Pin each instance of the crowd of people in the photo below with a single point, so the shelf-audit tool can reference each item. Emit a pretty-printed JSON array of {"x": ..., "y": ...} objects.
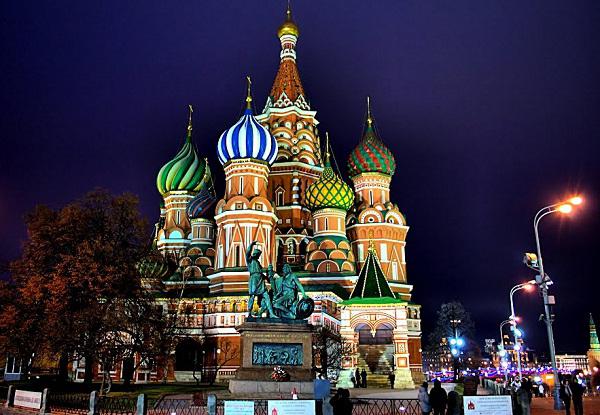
[
  {"x": 438, "y": 401},
  {"x": 359, "y": 378},
  {"x": 572, "y": 390}
]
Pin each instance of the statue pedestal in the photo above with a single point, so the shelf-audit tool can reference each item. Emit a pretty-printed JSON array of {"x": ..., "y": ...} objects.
[{"x": 270, "y": 342}]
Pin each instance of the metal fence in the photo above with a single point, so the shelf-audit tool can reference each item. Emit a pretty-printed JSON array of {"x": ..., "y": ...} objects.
[
  {"x": 116, "y": 405},
  {"x": 79, "y": 404},
  {"x": 385, "y": 406},
  {"x": 69, "y": 403}
]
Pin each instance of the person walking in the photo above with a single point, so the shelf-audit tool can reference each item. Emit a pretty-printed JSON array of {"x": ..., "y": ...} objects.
[
  {"x": 392, "y": 379},
  {"x": 524, "y": 397},
  {"x": 341, "y": 403},
  {"x": 357, "y": 377},
  {"x": 438, "y": 398},
  {"x": 577, "y": 390},
  {"x": 565, "y": 395},
  {"x": 363, "y": 377},
  {"x": 453, "y": 403},
  {"x": 424, "y": 399}
]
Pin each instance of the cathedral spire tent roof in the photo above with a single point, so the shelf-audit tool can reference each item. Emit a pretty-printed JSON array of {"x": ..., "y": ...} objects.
[
  {"x": 372, "y": 286},
  {"x": 594, "y": 343},
  {"x": 287, "y": 89}
]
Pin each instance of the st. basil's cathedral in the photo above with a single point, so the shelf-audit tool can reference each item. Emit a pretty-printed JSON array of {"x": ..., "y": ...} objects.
[{"x": 346, "y": 244}]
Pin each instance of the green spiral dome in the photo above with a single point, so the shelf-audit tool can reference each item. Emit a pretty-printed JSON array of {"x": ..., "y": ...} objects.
[
  {"x": 329, "y": 192},
  {"x": 184, "y": 172},
  {"x": 155, "y": 267}
]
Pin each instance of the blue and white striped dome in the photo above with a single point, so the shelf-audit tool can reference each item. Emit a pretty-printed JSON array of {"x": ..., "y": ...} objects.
[{"x": 247, "y": 138}]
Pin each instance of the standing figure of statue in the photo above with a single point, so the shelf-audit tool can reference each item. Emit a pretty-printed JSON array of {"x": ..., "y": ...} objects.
[{"x": 257, "y": 282}]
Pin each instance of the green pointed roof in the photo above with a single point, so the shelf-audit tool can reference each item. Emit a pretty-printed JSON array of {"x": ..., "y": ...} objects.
[
  {"x": 372, "y": 286},
  {"x": 594, "y": 344}
]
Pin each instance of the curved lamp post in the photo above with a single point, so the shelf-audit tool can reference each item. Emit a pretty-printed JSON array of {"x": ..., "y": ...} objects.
[
  {"x": 544, "y": 281},
  {"x": 513, "y": 319},
  {"x": 504, "y": 323}
]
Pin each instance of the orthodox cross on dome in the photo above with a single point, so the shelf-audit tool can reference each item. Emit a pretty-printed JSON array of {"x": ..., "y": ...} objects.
[
  {"x": 249, "y": 93},
  {"x": 369, "y": 118},
  {"x": 191, "y": 109}
]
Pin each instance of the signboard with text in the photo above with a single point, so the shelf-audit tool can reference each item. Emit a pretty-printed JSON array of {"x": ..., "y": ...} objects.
[
  {"x": 487, "y": 405},
  {"x": 239, "y": 407},
  {"x": 27, "y": 399},
  {"x": 291, "y": 407}
]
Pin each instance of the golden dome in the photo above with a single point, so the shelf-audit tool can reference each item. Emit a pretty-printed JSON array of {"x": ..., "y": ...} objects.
[{"x": 288, "y": 27}]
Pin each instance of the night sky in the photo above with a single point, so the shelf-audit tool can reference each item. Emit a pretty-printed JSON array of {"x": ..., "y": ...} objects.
[{"x": 490, "y": 107}]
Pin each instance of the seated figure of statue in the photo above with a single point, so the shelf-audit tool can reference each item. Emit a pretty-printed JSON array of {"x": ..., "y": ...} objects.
[{"x": 285, "y": 299}]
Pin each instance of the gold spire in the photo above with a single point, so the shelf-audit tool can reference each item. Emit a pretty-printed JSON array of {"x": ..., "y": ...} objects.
[
  {"x": 326, "y": 148},
  {"x": 191, "y": 109},
  {"x": 288, "y": 27},
  {"x": 369, "y": 117},
  {"x": 249, "y": 93}
]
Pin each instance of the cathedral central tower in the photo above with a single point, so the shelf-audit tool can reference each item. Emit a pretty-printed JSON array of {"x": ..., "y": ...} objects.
[{"x": 292, "y": 122}]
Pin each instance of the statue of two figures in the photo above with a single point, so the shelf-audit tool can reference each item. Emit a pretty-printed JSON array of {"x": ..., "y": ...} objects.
[{"x": 285, "y": 299}]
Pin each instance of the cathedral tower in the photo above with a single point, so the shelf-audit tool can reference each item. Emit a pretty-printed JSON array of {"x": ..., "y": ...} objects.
[
  {"x": 371, "y": 166},
  {"x": 329, "y": 198},
  {"x": 292, "y": 122},
  {"x": 245, "y": 213},
  {"x": 178, "y": 181},
  {"x": 594, "y": 350}
]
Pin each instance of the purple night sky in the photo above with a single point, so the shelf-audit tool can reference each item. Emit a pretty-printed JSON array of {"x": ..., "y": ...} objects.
[{"x": 491, "y": 109}]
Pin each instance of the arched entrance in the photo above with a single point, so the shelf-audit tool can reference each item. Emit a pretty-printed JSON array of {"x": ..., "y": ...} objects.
[{"x": 376, "y": 347}]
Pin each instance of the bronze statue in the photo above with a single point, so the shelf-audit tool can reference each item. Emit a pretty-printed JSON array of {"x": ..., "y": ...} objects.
[
  {"x": 256, "y": 283},
  {"x": 282, "y": 300}
]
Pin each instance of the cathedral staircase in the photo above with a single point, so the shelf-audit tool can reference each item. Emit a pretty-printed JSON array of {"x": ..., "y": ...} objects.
[{"x": 377, "y": 359}]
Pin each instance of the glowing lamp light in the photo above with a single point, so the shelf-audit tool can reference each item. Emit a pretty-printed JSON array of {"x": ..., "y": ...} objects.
[
  {"x": 454, "y": 351},
  {"x": 460, "y": 342},
  {"x": 576, "y": 200},
  {"x": 565, "y": 208},
  {"x": 452, "y": 342},
  {"x": 537, "y": 379},
  {"x": 502, "y": 353},
  {"x": 505, "y": 364},
  {"x": 517, "y": 346},
  {"x": 518, "y": 332}
]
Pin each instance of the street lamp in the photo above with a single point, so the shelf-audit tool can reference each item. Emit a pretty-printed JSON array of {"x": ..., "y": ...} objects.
[
  {"x": 456, "y": 343},
  {"x": 525, "y": 286},
  {"x": 502, "y": 352},
  {"x": 544, "y": 281}
]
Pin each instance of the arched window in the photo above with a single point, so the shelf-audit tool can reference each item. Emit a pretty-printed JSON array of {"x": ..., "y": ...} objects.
[
  {"x": 395, "y": 270},
  {"x": 291, "y": 247}
]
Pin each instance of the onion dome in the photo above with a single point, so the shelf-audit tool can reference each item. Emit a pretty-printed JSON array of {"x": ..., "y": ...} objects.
[
  {"x": 247, "y": 138},
  {"x": 288, "y": 27},
  {"x": 185, "y": 171},
  {"x": 200, "y": 204},
  {"x": 371, "y": 155},
  {"x": 154, "y": 266},
  {"x": 329, "y": 191}
]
